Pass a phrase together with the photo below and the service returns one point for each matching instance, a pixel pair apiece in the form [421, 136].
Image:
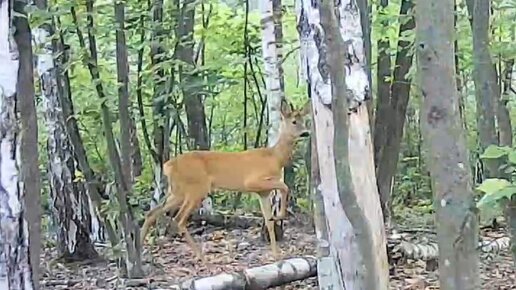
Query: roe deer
[193, 175]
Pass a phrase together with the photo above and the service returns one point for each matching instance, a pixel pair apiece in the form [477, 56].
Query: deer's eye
[294, 122]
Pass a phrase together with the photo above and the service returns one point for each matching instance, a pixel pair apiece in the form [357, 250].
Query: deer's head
[292, 121]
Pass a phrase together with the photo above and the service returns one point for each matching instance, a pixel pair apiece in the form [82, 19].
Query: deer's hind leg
[193, 198]
[170, 203]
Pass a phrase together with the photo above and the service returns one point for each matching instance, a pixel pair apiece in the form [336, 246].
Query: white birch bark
[263, 277]
[273, 83]
[341, 239]
[273, 87]
[344, 244]
[15, 267]
[70, 203]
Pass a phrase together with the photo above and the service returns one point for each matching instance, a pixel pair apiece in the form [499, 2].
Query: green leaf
[506, 192]
[492, 185]
[494, 152]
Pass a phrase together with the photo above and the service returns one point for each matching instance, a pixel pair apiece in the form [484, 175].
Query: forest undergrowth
[170, 260]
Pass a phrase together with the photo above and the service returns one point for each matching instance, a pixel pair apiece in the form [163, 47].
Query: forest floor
[170, 260]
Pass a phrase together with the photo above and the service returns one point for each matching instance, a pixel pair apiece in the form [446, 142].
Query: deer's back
[222, 170]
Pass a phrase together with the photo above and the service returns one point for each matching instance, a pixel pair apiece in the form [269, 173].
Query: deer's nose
[305, 134]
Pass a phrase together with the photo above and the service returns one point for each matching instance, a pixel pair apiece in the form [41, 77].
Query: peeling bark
[456, 217]
[70, 203]
[356, 238]
[272, 34]
[93, 184]
[18, 244]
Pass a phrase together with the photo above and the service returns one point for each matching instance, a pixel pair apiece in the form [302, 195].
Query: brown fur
[193, 175]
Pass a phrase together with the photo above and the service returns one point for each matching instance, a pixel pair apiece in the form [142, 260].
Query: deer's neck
[283, 149]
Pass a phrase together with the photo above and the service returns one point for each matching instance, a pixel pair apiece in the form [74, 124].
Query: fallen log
[430, 250]
[262, 277]
[226, 221]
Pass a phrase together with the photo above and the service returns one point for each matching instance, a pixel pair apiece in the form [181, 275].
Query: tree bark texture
[272, 34]
[456, 217]
[395, 120]
[263, 277]
[130, 231]
[485, 78]
[160, 112]
[26, 107]
[68, 197]
[383, 87]
[355, 224]
[93, 184]
[191, 83]
[18, 268]
[505, 139]
[357, 185]
[193, 98]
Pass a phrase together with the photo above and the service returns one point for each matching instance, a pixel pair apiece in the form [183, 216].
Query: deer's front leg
[269, 184]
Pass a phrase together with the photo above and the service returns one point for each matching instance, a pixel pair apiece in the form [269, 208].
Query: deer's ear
[307, 108]
[286, 109]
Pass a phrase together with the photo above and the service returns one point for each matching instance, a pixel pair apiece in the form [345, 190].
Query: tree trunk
[192, 96]
[93, 184]
[383, 87]
[19, 240]
[272, 34]
[26, 107]
[122, 164]
[356, 239]
[68, 198]
[161, 114]
[484, 76]
[365, 21]
[505, 139]
[130, 232]
[457, 225]
[395, 120]
[193, 99]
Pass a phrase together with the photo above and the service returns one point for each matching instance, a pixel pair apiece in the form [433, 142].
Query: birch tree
[349, 222]
[456, 217]
[69, 200]
[18, 266]
[274, 85]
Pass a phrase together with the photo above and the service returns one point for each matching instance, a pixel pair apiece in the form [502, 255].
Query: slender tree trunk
[68, 197]
[383, 87]
[456, 218]
[130, 232]
[395, 121]
[485, 78]
[121, 164]
[505, 139]
[193, 99]
[161, 114]
[19, 193]
[272, 34]
[192, 95]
